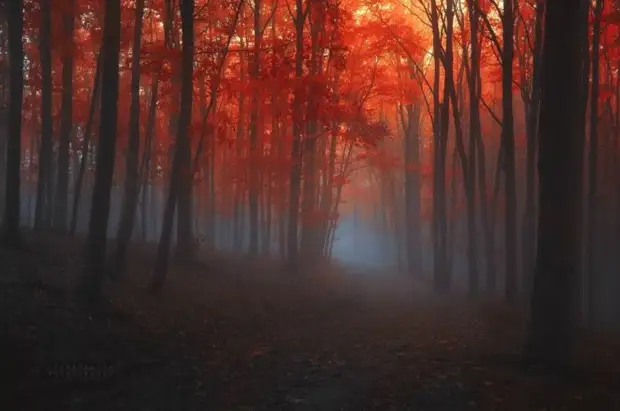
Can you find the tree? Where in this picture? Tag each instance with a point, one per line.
(592, 219)
(295, 174)
(180, 165)
(66, 121)
(44, 189)
(91, 281)
(132, 187)
(560, 169)
(13, 150)
(508, 143)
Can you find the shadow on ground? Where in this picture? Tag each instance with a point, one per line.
(229, 335)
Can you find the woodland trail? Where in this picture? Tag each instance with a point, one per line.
(228, 337)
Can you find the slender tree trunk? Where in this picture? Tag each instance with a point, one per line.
(13, 146)
(441, 274)
(511, 287)
(591, 253)
(4, 98)
(239, 192)
(66, 125)
(528, 235)
(77, 191)
(254, 171)
(309, 245)
(132, 184)
(181, 160)
(295, 176)
(92, 278)
(561, 184)
(412, 191)
(45, 152)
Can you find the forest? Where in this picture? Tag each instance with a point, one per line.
(310, 204)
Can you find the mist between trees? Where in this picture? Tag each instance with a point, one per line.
(448, 140)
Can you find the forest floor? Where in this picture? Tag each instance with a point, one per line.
(233, 335)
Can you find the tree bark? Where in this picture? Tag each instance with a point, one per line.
(593, 209)
(132, 183)
(560, 164)
(13, 145)
(528, 234)
(180, 166)
(45, 153)
(441, 272)
(66, 125)
(92, 277)
(511, 286)
(77, 191)
(296, 157)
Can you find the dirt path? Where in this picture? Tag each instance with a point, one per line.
(239, 338)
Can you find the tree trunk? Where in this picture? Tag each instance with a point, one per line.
(441, 274)
(92, 278)
(253, 172)
(132, 184)
(296, 157)
(77, 191)
(13, 145)
(560, 165)
(412, 191)
(180, 167)
(45, 152)
(528, 234)
(591, 253)
(310, 248)
(66, 125)
(510, 290)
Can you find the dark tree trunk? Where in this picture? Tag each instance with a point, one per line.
(441, 271)
(309, 244)
(296, 157)
(475, 135)
(509, 155)
(185, 241)
(412, 191)
(13, 146)
(66, 125)
(558, 259)
(180, 165)
(77, 191)
(253, 172)
(528, 234)
(591, 253)
(132, 183)
(97, 228)
(45, 151)
(4, 103)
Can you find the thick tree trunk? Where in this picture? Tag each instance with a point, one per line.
(132, 184)
(92, 278)
(66, 125)
(4, 97)
(45, 152)
(180, 167)
(13, 145)
(560, 165)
